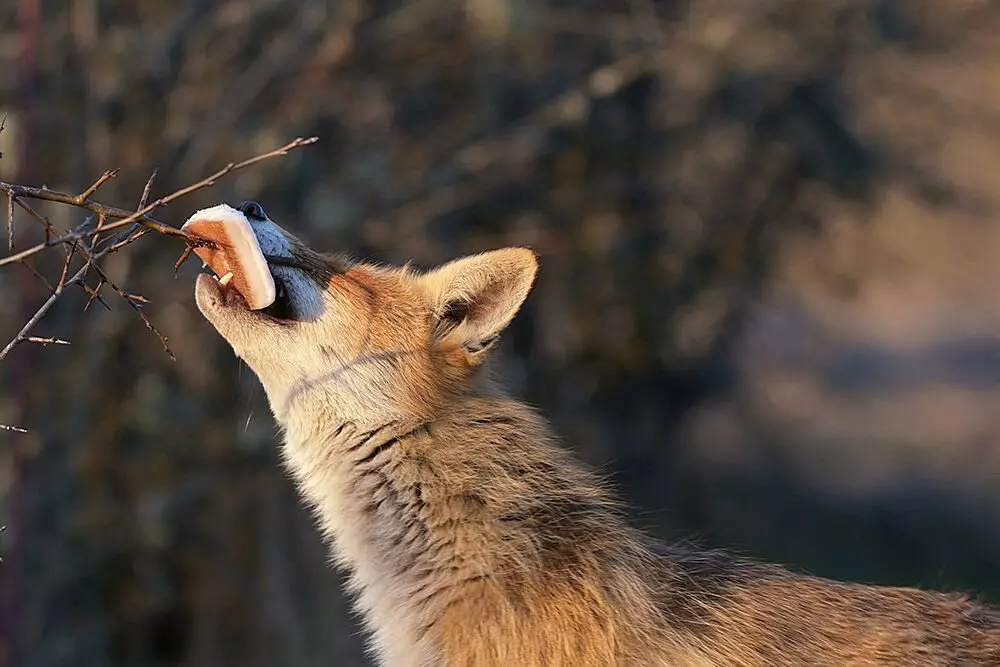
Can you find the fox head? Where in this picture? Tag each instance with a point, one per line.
(368, 343)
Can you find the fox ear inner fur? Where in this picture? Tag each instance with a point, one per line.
(475, 298)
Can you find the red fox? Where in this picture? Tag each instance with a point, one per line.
(471, 538)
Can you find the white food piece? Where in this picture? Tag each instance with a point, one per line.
(248, 256)
(224, 280)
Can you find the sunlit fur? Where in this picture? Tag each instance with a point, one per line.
(472, 539)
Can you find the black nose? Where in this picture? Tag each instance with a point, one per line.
(252, 210)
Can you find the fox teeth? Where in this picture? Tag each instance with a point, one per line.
(224, 280)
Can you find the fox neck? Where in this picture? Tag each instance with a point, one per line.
(314, 406)
(419, 511)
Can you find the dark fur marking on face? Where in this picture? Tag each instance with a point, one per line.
(319, 268)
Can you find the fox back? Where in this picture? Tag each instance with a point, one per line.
(471, 538)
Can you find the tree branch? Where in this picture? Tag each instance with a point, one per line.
(124, 217)
(83, 241)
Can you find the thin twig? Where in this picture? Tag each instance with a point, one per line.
(84, 196)
(10, 223)
(10, 204)
(184, 257)
(46, 341)
(69, 260)
(40, 313)
(95, 293)
(124, 218)
(137, 230)
(149, 186)
(35, 272)
(76, 243)
(42, 220)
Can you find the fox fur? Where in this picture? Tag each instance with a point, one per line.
(471, 538)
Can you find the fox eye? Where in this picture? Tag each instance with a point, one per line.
(252, 210)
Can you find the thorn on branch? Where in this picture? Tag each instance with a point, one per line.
(86, 194)
(128, 238)
(145, 191)
(184, 257)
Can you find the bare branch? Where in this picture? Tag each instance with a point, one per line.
(69, 259)
(184, 257)
(46, 341)
(76, 241)
(41, 278)
(95, 294)
(10, 223)
(40, 313)
(42, 220)
(149, 186)
(86, 194)
(123, 217)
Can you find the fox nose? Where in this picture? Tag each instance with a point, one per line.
(252, 210)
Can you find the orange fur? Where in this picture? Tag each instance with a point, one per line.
(472, 539)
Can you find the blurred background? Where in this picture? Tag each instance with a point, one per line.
(768, 302)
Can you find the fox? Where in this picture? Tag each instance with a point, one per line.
(471, 537)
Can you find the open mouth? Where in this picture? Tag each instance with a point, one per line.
(243, 275)
(280, 310)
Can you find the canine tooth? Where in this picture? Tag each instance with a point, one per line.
(224, 280)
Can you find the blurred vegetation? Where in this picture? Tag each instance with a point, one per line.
(767, 302)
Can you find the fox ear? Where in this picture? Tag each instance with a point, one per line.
(476, 297)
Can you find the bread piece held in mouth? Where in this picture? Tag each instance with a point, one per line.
(235, 252)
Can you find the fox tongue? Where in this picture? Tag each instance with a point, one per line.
(235, 251)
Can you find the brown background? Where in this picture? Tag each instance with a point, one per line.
(768, 301)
